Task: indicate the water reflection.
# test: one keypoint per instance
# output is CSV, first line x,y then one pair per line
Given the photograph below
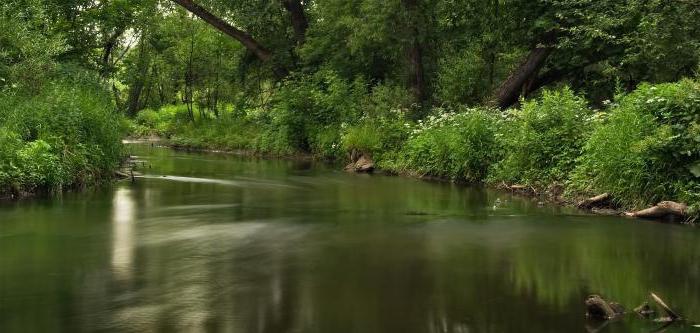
x,y
123,220
330,253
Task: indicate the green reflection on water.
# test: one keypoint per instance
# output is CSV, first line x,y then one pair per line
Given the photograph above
x,y
245,245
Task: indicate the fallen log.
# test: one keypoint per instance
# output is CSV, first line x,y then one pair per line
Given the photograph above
x,y
120,174
524,189
594,201
662,209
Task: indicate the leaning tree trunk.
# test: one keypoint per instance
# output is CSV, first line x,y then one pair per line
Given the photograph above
x,y
246,39
519,80
243,37
108,49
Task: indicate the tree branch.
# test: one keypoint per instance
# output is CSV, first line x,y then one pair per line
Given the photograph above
x,y
246,39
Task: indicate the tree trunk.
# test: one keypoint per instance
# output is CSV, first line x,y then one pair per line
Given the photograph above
x,y
217,85
299,21
243,37
189,78
523,77
117,98
662,209
135,89
107,50
416,71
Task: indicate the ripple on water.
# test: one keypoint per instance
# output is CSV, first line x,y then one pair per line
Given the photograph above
x,y
225,182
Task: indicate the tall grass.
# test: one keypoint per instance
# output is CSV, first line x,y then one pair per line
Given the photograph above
x,y
648,149
66,136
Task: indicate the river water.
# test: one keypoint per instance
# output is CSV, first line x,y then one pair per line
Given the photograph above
x,y
213,242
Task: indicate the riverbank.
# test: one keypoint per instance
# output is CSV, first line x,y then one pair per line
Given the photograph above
x,y
640,149
599,205
66,136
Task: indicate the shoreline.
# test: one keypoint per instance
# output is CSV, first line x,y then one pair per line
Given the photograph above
x,y
545,196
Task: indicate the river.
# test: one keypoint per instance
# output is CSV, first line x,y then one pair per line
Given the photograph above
x,y
214,242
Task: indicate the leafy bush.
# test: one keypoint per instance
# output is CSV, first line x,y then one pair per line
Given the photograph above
x,y
542,140
68,135
459,146
648,149
307,112
164,122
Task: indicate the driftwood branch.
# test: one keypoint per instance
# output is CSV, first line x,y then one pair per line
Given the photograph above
x,y
673,316
662,209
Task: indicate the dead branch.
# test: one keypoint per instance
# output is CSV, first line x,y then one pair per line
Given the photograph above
x,y
671,314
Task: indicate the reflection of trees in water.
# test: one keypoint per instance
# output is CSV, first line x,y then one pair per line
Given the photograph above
x,y
360,280
623,262
473,292
255,284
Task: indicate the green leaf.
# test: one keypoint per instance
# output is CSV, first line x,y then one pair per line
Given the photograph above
x,y
695,169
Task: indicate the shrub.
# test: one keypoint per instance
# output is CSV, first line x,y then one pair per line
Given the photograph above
x,y
164,122
307,111
542,140
648,149
459,146
67,135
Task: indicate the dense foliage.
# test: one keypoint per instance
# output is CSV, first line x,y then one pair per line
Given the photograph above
x,y
454,145
59,128
648,149
582,96
542,139
66,136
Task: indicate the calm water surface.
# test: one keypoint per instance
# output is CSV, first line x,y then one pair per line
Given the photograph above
x,y
227,244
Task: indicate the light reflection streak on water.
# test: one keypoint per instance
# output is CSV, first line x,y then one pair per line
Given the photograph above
x,y
123,216
217,181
